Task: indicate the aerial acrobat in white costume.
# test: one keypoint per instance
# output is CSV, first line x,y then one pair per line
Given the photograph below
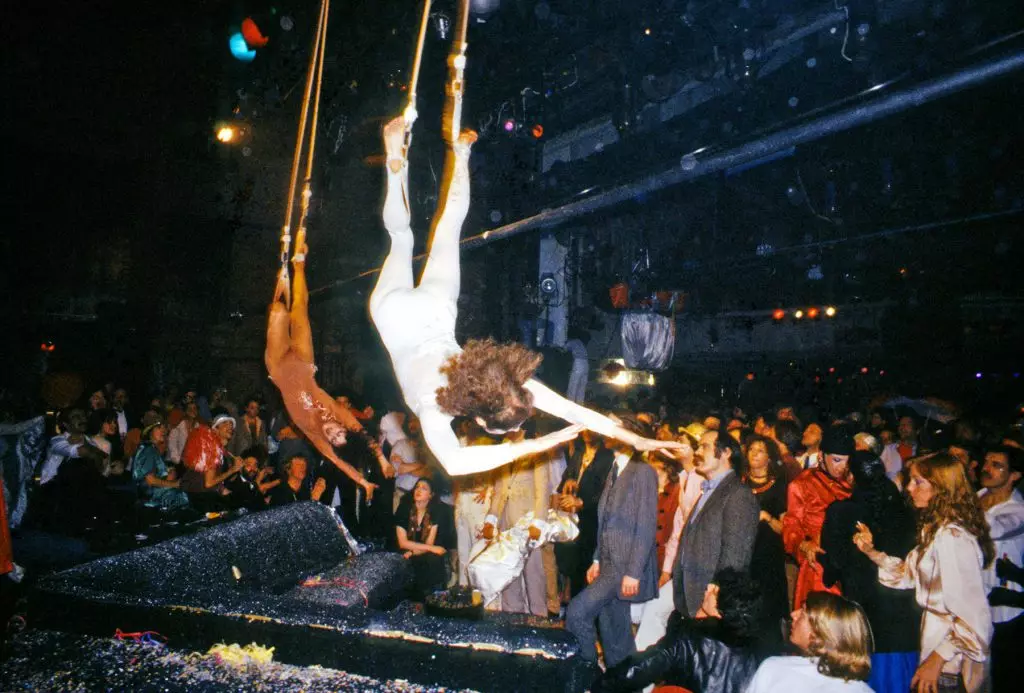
x,y
488,382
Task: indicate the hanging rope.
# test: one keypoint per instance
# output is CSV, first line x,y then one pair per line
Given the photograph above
x,y
316,60
410,114
307,192
457,85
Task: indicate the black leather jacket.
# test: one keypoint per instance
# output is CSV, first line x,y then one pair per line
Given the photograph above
x,y
700,655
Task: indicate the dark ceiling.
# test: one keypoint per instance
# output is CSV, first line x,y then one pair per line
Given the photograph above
x,y
110,113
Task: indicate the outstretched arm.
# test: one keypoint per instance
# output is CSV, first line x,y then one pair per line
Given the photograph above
x,y
458,460
325,449
346,418
547,400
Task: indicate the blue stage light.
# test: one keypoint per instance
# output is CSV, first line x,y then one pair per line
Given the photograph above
x,y
240,49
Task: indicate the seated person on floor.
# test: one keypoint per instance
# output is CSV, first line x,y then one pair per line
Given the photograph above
x,y
834,638
719,650
416,530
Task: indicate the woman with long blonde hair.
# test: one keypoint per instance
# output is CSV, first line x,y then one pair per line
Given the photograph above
x,y
945,569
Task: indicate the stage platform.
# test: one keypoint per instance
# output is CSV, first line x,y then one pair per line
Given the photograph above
x,y
250,581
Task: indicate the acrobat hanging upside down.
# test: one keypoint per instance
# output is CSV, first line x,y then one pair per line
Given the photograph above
x,y
488,382
289,354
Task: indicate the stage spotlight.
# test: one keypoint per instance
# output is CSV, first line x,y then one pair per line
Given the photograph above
x,y
812,313
798,314
548,286
226,134
778,314
830,311
537,131
509,125
240,49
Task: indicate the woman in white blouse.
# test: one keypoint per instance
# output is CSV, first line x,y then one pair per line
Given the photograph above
x,y
945,568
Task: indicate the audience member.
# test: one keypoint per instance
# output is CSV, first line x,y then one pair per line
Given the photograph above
x,y
473,494
835,641
294,487
787,436
119,403
580,491
188,422
767,481
157,483
896,454
893,615
808,497
689,492
204,458
520,488
1004,512
718,650
946,570
623,570
416,532
70,443
254,481
250,429
720,530
103,434
811,442
967,453
652,616
133,438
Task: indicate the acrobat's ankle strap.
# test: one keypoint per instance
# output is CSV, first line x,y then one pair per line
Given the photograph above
x,y
397,164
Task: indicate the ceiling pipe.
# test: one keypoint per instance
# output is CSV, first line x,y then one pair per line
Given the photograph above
x,y
701,163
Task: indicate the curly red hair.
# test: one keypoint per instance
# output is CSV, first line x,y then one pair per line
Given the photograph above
x,y
486,380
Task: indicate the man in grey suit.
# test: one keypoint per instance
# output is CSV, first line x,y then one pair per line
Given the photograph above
x,y
720,530
623,570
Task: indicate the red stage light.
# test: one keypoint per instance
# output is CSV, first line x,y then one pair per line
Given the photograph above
x,y
538,131
778,314
812,313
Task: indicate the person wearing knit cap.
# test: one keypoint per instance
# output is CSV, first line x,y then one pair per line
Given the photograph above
x,y
809,495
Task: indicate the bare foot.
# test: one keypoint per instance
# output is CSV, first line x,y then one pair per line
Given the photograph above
x,y
394,143
465,141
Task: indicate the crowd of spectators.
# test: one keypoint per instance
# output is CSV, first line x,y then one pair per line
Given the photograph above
x,y
761,536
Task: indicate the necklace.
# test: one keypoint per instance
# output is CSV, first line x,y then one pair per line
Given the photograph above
x,y
758,486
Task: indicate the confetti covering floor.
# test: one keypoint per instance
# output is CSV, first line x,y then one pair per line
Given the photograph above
x,y
51,661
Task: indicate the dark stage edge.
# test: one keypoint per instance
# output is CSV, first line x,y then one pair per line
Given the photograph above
x,y
64,663
185,589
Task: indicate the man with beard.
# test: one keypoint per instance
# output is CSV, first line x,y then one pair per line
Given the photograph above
x,y
809,496
1004,510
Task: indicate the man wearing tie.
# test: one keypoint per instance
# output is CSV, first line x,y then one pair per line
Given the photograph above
x,y
624,567
721,527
